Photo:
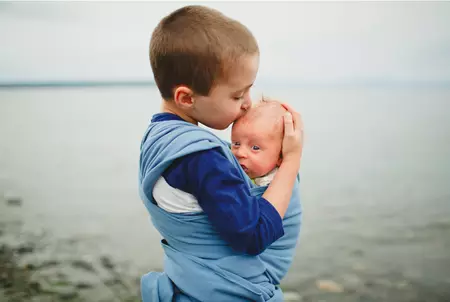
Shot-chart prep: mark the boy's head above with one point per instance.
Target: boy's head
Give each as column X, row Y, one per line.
column 257, row 137
column 204, row 64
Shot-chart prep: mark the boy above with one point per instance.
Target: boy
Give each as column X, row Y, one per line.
column 198, row 197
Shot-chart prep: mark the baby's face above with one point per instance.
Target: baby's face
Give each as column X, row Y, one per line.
column 256, row 145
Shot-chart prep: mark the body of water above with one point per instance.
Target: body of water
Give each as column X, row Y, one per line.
column 375, row 183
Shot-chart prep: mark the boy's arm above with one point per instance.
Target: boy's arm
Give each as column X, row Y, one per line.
column 280, row 189
column 249, row 224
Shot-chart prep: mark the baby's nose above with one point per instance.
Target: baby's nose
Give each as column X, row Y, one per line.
column 240, row 153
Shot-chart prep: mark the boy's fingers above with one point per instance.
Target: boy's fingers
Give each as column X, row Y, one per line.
column 287, row 107
column 298, row 122
column 295, row 117
column 288, row 124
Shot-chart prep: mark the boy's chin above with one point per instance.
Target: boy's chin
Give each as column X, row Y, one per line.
column 222, row 127
column 216, row 126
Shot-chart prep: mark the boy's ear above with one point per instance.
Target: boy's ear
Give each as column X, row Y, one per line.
column 183, row 97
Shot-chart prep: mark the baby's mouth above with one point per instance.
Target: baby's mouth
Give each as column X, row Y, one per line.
column 244, row 168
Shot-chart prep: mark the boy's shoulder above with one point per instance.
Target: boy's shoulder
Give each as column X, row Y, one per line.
column 171, row 128
column 169, row 135
column 190, row 149
column 165, row 116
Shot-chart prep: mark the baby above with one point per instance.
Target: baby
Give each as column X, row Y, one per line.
column 256, row 140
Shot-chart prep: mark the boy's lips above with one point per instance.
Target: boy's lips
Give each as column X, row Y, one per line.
column 244, row 167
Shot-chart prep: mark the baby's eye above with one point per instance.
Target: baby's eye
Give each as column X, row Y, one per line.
column 255, row 148
column 238, row 98
column 236, row 144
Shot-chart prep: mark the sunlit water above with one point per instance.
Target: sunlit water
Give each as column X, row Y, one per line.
column 375, row 178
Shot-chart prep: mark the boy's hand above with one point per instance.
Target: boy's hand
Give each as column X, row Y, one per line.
column 293, row 135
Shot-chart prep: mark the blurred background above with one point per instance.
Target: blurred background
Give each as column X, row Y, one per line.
column 371, row 79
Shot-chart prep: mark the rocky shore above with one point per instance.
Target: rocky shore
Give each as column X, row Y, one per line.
column 27, row 278
column 31, row 269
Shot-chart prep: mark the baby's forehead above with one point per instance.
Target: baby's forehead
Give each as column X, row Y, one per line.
column 267, row 111
column 266, row 117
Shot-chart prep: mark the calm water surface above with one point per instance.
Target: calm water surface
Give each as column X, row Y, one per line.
column 375, row 181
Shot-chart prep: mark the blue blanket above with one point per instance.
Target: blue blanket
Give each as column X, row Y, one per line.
column 202, row 265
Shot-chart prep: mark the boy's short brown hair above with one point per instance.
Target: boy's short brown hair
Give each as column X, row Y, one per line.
column 194, row 46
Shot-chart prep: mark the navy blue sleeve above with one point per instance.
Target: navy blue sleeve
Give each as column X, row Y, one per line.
column 249, row 224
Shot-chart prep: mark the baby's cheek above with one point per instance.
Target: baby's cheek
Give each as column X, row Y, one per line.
column 270, row 163
column 261, row 167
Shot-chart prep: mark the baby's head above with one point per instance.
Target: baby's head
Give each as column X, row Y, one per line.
column 257, row 137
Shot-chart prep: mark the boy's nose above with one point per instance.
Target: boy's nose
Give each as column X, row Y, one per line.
column 246, row 104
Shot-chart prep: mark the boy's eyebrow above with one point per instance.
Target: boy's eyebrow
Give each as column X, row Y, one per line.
column 245, row 88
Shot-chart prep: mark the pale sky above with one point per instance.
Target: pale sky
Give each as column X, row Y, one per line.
column 299, row 42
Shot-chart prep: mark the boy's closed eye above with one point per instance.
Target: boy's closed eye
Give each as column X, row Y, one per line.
column 238, row 95
column 235, row 144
